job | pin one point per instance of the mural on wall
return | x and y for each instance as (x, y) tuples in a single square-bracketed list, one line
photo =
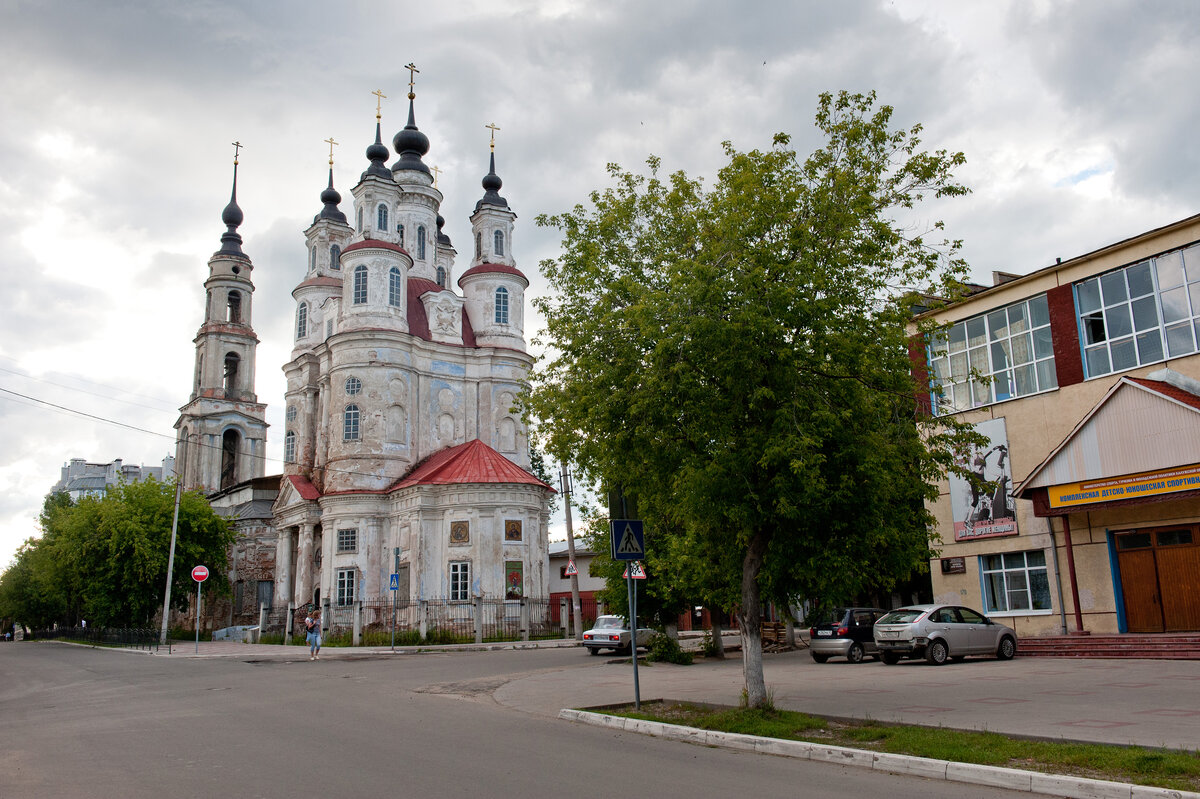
[(985, 511), (512, 529), (514, 579)]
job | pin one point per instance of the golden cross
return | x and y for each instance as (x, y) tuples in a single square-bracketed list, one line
[(493, 128), (436, 172), (379, 98), (237, 146), (330, 142), (412, 70)]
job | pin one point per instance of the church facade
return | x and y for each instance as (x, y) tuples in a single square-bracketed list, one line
[(404, 453)]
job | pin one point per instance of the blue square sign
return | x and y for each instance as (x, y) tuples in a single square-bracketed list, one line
[(627, 539)]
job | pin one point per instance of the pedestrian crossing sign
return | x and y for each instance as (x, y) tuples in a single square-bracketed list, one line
[(394, 583), (627, 539), (571, 570)]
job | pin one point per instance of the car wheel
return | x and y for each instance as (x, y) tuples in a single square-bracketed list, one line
[(819, 658), (855, 653), (593, 650), (890, 658), (937, 653), (1007, 648)]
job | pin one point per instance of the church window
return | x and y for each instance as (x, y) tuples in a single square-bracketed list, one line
[(231, 374), (335, 257), (235, 307), (441, 277), (499, 243), (302, 320), (460, 581), (347, 540), (229, 453), (502, 306), (394, 287), (290, 414), (350, 423), (360, 220), (345, 586), (421, 242), (381, 217), (360, 285), (478, 245), (312, 258), (400, 232), (289, 447), (353, 386)]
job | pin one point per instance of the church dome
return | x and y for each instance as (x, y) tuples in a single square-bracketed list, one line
[(411, 144)]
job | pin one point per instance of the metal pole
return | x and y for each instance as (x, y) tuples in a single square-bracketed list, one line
[(395, 571), (162, 633), (199, 592), (564, 473), (637, 691)]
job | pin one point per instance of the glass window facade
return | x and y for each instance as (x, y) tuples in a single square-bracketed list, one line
[(1015, 581)]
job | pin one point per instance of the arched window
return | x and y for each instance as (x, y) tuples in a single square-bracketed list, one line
[(302, 320), (360, 284), (312, 258), (394, 293), (234, 310), (360, 220), (231, 374), (421, 242), (499, 242), (350, 423), (381, 218), (335, 257), (290, 414), (502, 306), (400, 232), (441, 277), (289, 447), (229, 456)]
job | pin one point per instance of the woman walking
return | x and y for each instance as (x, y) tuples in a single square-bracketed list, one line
[(312, 626)]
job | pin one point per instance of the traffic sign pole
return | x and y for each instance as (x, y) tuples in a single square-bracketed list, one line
[(632, 591), (199, 574)]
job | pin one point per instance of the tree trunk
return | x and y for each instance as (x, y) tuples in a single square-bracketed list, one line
[(750, 618), (718, 638)]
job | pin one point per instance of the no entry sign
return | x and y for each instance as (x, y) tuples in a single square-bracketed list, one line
[(200, 574)]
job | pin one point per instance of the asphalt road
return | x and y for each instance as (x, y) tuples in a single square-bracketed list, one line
[(80, 722)]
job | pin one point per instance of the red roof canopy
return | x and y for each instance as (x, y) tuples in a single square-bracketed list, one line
[(472, 462)]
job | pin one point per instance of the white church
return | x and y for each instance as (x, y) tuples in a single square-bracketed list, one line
[(403, 451)]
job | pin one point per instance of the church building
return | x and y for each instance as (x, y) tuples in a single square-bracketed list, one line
[(404, 453)]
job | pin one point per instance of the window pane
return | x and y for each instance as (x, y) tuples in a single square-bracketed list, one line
[(1026, 380), (979, 360), (1097, 361), (1112, 286), (958, 337), (1039, 311), (980, 394), (1018, 591), (1047, 377), (1002, 386), (993, 590), (998, 323), (1043, 344), (1174, 305), (976, 333), (1123, 354), (1179, 339), (938, 343), (1140, 281), (1145, 314), (1133, 540), (1022, 351), (1000, 355), (993, 562), (1194, 292), (1093, 328), (941, 368), (1014, 560), (1039, 587), (1169, 268), (1149, 345), (1117, 321), (1089, 295), (1191, 262), (961, 397), (958, 367), (1017, 321)]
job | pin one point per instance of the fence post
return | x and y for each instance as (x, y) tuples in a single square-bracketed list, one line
[(262, 621), (358, 622), (477, 601), (423, 618), (288, 622), (524, 619), (563, 618)]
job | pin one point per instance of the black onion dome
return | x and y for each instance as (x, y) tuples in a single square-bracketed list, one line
[(331, 198), (231, 217), (411, 144), (442, 238), (378, 153), (491, 188)]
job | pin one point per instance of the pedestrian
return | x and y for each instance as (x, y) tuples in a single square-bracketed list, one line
[(312, 627)]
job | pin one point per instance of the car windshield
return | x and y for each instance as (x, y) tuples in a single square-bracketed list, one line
[(902, 616), (835, 616), (610, 623)]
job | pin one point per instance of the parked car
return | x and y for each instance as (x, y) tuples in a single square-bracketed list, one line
[(941, 632), (844, 633), (612, 632)]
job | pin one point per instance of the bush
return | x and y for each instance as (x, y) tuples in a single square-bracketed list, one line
[(665, 649)]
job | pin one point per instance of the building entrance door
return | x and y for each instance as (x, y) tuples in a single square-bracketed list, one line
[(1160, 579)]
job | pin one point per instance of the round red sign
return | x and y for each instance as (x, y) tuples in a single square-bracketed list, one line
[(200, 574)]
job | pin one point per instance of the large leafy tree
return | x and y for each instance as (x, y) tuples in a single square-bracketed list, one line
[(105, 559), (737, 360)]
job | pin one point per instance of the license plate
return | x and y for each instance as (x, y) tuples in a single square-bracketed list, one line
[(824, 633), (887, 634)]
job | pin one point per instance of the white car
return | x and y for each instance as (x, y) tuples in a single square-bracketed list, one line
[(612, 632), (939, 633)]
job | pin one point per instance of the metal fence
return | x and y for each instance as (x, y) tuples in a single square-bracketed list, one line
[(130, 637)]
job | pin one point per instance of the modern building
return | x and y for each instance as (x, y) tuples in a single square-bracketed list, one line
[(82, 479), (1085, 378)]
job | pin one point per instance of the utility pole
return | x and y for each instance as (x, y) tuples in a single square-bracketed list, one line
[(564, 476), (162, 633)]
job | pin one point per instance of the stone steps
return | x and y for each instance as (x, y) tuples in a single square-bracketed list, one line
[(1167, 646)]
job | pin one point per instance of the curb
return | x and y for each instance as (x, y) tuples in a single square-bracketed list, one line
[(993, 776)]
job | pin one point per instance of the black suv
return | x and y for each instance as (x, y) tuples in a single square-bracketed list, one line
[(845, 632)]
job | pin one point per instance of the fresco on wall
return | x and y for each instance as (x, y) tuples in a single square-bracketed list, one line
[(988, 511)]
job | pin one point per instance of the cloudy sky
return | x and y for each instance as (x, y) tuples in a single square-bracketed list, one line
[(1078, 119)]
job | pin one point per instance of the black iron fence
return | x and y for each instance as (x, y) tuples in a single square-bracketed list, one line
[(129, 637)]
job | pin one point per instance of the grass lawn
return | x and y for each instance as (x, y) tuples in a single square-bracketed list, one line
[(1163, 768)]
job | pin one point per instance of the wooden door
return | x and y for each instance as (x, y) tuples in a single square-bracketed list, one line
[(1178, 561), (1139, 583)]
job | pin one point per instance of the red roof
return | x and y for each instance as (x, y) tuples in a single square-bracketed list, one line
[(303, 487), (503, 268), (418, 321), (374, 244), (1168, 390), (472, 462), (322, 280)]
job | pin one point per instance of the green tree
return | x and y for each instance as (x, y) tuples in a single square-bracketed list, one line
[(737, 359)]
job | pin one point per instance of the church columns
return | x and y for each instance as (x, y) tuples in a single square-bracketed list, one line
[(304, 566), (283, 567)]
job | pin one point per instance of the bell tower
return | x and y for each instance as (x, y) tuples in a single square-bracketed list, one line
[(222, 429)]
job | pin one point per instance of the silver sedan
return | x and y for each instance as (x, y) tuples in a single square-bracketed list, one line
[(612, 632), (941, 632)]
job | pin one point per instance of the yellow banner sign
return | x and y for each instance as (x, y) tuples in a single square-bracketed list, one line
[(1130, 486)]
